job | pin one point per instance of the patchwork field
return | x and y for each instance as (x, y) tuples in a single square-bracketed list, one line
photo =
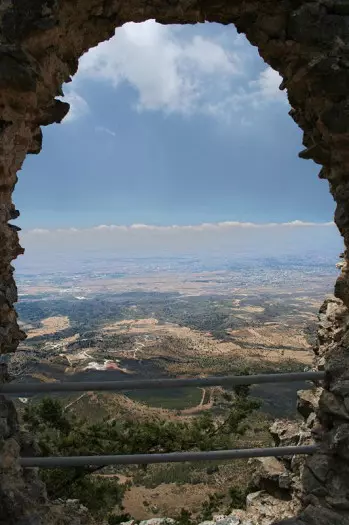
[(163, 326)]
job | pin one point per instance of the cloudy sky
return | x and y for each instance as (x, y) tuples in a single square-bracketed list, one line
[(172, 127)]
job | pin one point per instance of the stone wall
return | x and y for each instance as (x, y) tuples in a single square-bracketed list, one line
[(319, 485), (23, 498), (307, 42)]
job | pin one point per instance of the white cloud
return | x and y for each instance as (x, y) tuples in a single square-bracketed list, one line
[(102, 129), (38, 231), (267, 84), (246, 100), (207, 226), (172, 72), (167, 71), (78, 106), (230, 238)]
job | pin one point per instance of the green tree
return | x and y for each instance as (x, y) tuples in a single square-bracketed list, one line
[(63, 434)]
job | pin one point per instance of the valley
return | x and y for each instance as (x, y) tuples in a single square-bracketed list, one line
[(162, 324)]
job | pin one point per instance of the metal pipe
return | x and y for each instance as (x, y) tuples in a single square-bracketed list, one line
[(117, 386), (173, 457)]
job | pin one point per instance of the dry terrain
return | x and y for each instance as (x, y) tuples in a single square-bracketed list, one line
[(163, 500), (273, 342), (171, 324), (49, 326)]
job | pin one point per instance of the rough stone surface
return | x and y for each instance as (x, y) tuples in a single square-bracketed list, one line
[(325, 476), (307, 42), (308, 401), (23, 499), (263, 509), (271, 475), (157, 521), (286, 433), (228, 520)]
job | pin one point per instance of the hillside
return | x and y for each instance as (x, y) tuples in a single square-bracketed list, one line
[(141, 334)]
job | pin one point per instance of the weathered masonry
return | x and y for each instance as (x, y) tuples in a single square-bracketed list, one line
[(307, 41)]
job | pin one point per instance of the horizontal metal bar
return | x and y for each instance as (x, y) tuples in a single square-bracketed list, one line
[(174, 457), (134, 384)]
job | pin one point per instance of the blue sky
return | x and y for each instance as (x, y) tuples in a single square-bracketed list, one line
[(169, 126)]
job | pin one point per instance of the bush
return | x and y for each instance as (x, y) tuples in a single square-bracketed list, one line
[(238, 498), (116, 519), (62, 434)]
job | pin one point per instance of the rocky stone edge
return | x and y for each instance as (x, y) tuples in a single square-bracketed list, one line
[(23, 497), (307, 42)]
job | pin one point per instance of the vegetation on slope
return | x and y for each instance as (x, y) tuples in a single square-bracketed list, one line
[(61, 433)]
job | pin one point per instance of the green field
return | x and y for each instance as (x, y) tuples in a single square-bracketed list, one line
[(172, 399)]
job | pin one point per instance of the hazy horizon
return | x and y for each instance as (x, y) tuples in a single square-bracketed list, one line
[(64, 248)]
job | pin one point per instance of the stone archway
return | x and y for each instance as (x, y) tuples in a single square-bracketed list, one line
[(306, 42)]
